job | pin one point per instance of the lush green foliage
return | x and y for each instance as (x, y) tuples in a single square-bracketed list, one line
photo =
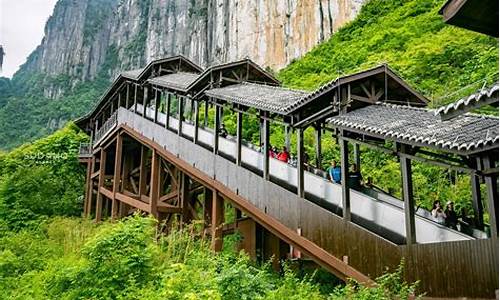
[(41, 179), (410, 36), (75, 259)]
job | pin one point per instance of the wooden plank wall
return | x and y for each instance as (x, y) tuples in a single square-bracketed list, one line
[(454, 269)]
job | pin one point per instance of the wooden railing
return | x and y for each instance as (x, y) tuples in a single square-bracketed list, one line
[(107, 127), (85, 150)]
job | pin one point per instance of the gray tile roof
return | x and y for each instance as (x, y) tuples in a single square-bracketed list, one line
[(465, 134), (132, 74), (260, 96), (483, 97), (176, 81)]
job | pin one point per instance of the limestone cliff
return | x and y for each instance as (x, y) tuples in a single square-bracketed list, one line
[(84, 39)]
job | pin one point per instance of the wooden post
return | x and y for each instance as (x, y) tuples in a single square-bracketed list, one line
[(102, 173), (287, 137), (119, 100), (207, 207), (155, 184), (492, 191), (318, 145), (300, 162), (142, 172), (116, 175), (217, 220), (180, 113), (157, 105), (357, 156), (88, 191), (477, 204), (205, 118), (409, 201), (184, 191), (196, 121), (239, 123), (265, 132), (127, 97), (344, 167), (145, 102), (167, 111), (127, 166), (135, 98), (216, 129), (90, 187)]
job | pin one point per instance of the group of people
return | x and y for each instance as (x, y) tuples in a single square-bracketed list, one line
[(282, 155), (335, 175), (447, 217)]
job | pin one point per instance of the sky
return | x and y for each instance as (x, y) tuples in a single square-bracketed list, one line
[(21, 30)]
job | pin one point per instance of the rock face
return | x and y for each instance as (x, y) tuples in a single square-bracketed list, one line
[(86, 39)]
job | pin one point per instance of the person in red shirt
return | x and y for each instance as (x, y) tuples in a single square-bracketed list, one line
[(284, 155)]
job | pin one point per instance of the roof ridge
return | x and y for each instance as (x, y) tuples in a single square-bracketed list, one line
[(275, 87)]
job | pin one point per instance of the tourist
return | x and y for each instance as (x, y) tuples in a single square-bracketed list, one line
[(355, 177), (451, 216), (334, 172), (284, 155), (223, 131), (437, 212)]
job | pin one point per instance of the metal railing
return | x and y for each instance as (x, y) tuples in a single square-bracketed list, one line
[(85, 150), (106, 127)]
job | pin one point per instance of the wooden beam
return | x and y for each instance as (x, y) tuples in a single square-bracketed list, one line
[(167, 111), (217, 221), (196, 121), (344, 168), (102, 170), (145, 102), (157, 105), (239, 137), (216, 129), (318, 145), (266, 134), (142, 174), (492, 192), (477, 203), (133, 202), (357, 156), (409, 201), (117, 175), (300, 162), (155, 184), (185, 199), (135, 98), (180, 112), (90, 188)]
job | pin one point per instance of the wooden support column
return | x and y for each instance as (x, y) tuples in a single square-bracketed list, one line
[(184, 195), (239, 123), (492, 191), (318, 145), (117, 175), (217, 221), (216, 129), (102, 173), (196, 121), (477, 203), (127, 167), (154, 195), (300, 162), (88, 191), (409, 201), (119, 100), (167, 111), (266, 133), (135, 98), (142, 172), (357, 156), (145, 102), (207, 207), (205, 118), (180, 112), (157, 105), (344, 168), (127, 97), (287, 137)]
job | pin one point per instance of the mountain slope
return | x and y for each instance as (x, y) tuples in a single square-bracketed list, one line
[(412, 38)]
